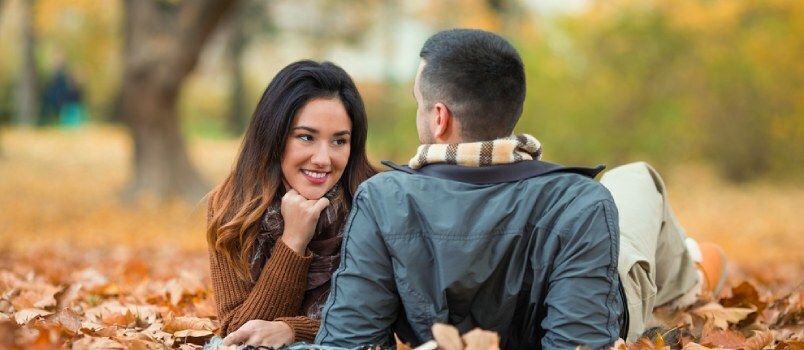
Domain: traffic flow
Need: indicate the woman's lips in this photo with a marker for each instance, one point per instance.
(315, 177)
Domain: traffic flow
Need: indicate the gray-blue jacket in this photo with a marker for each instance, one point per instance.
(534, 260)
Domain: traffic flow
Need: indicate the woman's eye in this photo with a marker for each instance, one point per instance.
(305, 137)
(341, 142)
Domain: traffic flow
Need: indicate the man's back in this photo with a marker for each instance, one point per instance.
(520, 258)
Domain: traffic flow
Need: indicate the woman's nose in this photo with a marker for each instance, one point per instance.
(321, 155)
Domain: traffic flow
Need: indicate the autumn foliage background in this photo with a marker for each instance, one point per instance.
(711, 92)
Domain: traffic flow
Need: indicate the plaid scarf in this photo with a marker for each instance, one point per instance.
(507, 150)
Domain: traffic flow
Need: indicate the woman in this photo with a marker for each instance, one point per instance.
(275, 223)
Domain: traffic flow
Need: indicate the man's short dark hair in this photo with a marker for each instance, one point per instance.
(479, 76)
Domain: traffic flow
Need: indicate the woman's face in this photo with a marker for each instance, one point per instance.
(317, 148)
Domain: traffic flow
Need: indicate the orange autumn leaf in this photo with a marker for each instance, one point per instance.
(724, 339)
(791, 345)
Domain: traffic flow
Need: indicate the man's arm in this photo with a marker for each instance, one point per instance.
(363, 301)
(583, 300)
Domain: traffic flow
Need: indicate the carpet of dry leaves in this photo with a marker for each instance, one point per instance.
(79, 269)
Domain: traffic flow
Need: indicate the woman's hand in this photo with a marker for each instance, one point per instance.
(261, 333)
(300, 215)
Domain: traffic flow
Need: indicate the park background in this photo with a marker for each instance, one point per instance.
(106, 189)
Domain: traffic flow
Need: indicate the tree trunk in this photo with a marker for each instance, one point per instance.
(28, 91)
(162, 44)
(237, 113)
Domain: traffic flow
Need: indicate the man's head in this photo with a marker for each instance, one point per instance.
(473, 79)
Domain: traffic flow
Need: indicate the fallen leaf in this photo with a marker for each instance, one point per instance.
(745, 295)
(791, 345)
(721, 316)
(67, 319)
(185, 323)
(724, 339)
(89, 342)
(195, 333)
(124, 319)
(35, 295)
(26, 315)
(759, 340)
(68, 296)
(205, 307)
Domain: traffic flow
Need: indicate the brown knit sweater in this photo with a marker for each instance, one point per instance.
(276, 296)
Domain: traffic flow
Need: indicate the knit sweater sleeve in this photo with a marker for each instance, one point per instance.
(304, 328)
(278, 293)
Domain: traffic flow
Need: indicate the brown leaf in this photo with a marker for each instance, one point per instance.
(745, 295)
(26, 315)
(643, 344)
(205, 307)
(725, 339)
(195, 333)
(90, 278)
(721, 316)
(68, 296)
(35, 295)
(185, 323)
(790, 345)
(759, 340)
(67, 319)
(88, 342)
(694, 346)
(5, 306)
(124, 319)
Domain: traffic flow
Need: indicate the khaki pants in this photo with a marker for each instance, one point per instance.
(654, 265)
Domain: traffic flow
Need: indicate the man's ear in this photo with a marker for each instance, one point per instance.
(444, 123)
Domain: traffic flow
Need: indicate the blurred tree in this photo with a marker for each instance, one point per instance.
(246, 22)
(717, 81)
(2, 2)
(163, 40)
(28, 85)
(238, 118)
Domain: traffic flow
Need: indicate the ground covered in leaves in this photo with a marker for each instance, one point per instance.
(82, 270)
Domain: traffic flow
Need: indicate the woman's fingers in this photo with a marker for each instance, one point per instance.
(320, 204)
(300, 216)
(237, 337)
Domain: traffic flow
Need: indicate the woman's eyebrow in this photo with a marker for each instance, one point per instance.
(307, 128)
(314, 131)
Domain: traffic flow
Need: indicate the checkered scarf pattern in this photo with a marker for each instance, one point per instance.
(506, 150)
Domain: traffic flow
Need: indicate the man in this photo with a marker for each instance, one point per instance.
(477, 233)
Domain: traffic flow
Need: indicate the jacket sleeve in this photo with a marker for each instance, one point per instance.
(583, 300)
(363, 301)
(278, 292)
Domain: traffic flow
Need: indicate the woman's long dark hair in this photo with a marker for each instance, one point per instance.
(238, 203)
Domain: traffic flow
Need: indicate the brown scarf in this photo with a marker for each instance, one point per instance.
(325, 247)
(505, 150)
